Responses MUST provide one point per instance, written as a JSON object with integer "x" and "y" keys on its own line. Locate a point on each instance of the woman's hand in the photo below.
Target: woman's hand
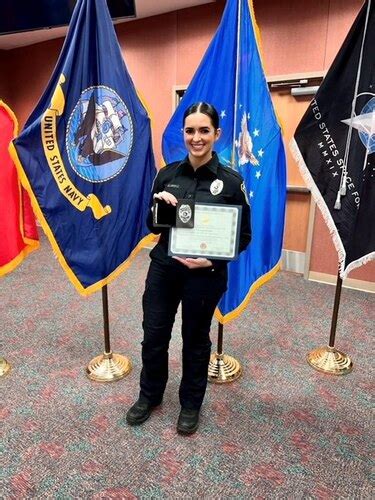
{"x": 167, "y": 197}
{"x": 192, "y": 263}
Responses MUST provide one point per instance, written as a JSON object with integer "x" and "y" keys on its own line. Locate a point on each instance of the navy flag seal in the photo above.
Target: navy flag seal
{"x": 49, "y": 126}
{"x": 99, "y": 135}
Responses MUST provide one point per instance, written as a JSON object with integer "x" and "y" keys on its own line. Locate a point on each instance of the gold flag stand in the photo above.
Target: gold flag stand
{"x": 328, "y": 359}
{"x": 108, "y": 367}
{"x": 222, "y": 368}
{"x": 4, "y": 367}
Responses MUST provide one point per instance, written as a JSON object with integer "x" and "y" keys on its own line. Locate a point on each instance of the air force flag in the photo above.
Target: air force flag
{"x": 231, "y": 78}
{"x": 85, "y": 154}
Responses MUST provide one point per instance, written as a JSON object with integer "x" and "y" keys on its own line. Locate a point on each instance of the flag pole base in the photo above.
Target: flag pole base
{"x": 223, "y": 369}
{"x": 108, "y": 367}
{"x": 4, "y": 367}
{"x": 330, "y": 360}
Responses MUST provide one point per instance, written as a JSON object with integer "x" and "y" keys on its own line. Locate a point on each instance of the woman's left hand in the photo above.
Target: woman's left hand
{"x": 192, "y": 263}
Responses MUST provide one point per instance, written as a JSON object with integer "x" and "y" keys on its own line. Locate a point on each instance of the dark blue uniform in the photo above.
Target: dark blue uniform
{"x": 199, "y": 290}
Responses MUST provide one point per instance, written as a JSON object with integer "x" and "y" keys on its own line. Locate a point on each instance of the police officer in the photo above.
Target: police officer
{"x": 196, "y": 283}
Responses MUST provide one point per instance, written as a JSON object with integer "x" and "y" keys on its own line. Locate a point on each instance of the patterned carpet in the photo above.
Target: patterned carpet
{"x": 281, "y": 431}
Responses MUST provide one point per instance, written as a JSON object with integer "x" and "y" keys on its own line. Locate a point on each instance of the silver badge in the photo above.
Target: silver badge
{"x": 184, "y": 213}
{"x": 216, "y": 187}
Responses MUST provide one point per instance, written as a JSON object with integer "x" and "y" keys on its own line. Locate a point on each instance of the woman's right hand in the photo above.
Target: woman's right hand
{"x": 167, "y": 197}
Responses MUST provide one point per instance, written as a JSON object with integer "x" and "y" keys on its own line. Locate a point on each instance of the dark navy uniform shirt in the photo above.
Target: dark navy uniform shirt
{"x": 181, "y": 180}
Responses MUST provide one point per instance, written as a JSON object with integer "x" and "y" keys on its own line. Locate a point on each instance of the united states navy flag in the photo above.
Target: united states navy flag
{"x": 334, "y": 145}
{"x": 85, "y": 154}
{"x": 231, "y": 77}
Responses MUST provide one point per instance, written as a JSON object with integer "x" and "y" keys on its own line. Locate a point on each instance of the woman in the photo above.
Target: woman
{"x": 198, "y": 283}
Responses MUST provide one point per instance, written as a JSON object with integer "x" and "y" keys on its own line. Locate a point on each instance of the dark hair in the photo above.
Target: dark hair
{"x": 206, "y": 109}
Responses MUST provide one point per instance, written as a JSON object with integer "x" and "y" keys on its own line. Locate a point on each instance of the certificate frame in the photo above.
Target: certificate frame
{"x": 215, "y": 234}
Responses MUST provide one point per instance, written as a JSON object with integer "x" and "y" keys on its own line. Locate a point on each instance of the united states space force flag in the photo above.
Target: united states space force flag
{"x": 85, "y": 154}
{"x": 231, "y": 78}
{"x": 335, "y": 145}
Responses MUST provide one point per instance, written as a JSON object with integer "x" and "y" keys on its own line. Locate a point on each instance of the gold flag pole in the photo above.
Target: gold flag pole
{"x": 328, "y": 359}
{"x": 222, "y": 368}
{"x": 108, "y": 367}
{"x": 4, "y": 367}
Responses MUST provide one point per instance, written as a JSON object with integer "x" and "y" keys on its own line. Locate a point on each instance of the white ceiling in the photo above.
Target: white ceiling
{"x": 144, "y": 8}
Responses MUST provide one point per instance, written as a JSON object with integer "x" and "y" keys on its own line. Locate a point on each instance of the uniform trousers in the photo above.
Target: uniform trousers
{"x": 198, "y": 291}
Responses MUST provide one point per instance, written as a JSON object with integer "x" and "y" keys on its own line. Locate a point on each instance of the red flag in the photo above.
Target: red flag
{"x": 18, "y": 232}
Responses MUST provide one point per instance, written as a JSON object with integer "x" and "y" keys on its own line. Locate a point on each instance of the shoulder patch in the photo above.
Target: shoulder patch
{"x": 243, "y": 189}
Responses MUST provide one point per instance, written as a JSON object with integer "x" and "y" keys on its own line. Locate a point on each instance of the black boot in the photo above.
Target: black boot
{"x": 139, "y": 412}
{"x": 188, "y": 421}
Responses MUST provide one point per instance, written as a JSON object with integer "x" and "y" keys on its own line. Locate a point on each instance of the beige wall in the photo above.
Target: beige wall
{"x": 303, "y": 36}
{"x": 165, "y": 50}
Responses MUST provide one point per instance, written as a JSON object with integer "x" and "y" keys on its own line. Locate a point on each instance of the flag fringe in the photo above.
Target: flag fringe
{"x": 258, "y": 40}
{"x": 319, "y": 200}
{"x": 365, "y": 259}
{"x": 48, "y": 232}
{"x": 256, "y": 30}
{"x": 146, "y": 107}
{"x": 226, "y": 318}
{"x": 12, "y": 115}
{"x": 10, "y": 266}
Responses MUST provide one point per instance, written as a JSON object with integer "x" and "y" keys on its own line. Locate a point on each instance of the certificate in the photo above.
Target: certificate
{"x": 215, "y": 233}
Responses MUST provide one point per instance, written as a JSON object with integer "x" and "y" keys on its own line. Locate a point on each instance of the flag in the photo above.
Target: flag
{"x": 85, "y": 154}
{"x": 334, "y": 145}
{"x": 231, "y": 78}
{"x": 18, "y": 233}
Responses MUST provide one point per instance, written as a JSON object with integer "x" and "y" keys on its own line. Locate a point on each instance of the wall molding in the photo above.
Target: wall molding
{"x": 354, "y": 284}
{"x": 293, "y": 261}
